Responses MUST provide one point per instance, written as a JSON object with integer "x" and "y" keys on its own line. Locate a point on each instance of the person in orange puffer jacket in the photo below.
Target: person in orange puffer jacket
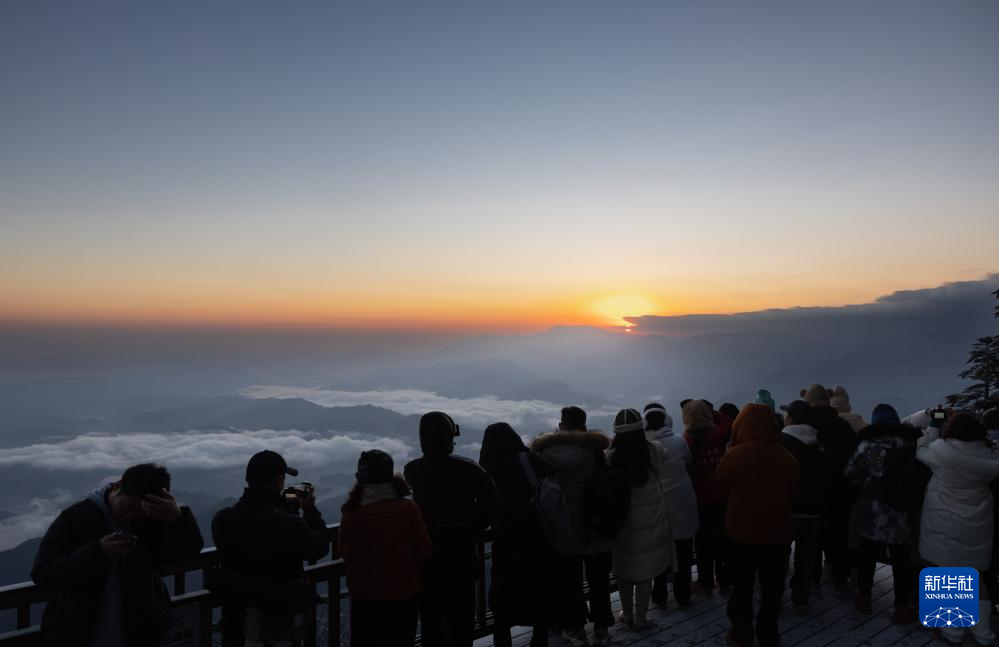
{"x": 384, "y": 542}
{"x": 760, "y": 479}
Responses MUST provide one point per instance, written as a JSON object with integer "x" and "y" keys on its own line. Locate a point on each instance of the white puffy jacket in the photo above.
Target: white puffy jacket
{"x": 956, "y": 527}
{"x": 681, "y": 500}
{"x": 644, "y": 547}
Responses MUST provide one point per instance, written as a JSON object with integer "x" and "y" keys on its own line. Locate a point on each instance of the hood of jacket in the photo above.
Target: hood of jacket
{"x": 805, "y": 433}
{"x": 588, "y": 440}
{"x": 754, "y": 424}
{"x": 697, "y": 415}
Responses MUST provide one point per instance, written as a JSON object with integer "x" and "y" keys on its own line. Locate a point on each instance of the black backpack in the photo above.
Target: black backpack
{"x": 903, "y": 485}
{"x": 606, "y": 500}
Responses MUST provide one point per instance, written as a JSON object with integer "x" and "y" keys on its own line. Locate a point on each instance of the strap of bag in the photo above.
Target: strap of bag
{"x": 525, "y": 462}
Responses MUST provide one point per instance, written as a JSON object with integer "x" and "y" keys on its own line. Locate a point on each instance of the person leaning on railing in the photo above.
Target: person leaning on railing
{"x": 261, "y": 547}
{"x": 99, "y": 562}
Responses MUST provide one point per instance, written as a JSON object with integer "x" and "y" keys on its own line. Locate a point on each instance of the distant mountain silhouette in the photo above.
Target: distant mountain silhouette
{"x": 235, "y": 412}
{"x": 15, "y": 564}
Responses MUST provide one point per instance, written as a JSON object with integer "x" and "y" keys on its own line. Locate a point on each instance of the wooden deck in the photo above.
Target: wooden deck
{"x": 832, "y": 621}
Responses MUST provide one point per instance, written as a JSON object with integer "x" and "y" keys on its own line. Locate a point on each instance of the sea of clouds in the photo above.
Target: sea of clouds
{"x": 478, "y": 412}
{"x": 198, "y": 450}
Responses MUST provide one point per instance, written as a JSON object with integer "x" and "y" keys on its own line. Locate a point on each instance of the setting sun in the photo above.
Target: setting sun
{"x": 614, "y": 308}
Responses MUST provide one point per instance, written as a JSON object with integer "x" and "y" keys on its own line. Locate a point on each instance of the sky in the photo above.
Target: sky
{"x": 494, "y": 166}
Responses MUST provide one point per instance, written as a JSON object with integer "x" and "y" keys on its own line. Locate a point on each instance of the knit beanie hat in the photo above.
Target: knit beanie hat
{"x": 437, "y": 432}
{"x": 374, "y": 466}
{"x": 654, "y": 409}
{"x": 839, "y": 399}
{"x": 628, "y": 420}
{"x": 885, "y": 414}
{"x": 816, "y": 395}
{"x": 763, "y": 397}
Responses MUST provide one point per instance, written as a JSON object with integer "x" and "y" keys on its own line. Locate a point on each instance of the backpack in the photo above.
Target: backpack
{"x": 549, "y": 505}
{"x": 903, "y": 484}
{"x": 606, "y": 500}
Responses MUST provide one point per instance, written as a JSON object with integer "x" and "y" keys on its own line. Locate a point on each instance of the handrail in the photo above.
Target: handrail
{"x": 21, "y": 597}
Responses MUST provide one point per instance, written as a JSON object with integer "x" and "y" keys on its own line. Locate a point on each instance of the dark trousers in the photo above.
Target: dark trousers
{"x": 570, "y": 612}
{"x": 868, "y": 552}
{"x": 681, "y": 575}
{"x": 747, "y": 563}
{"x": 835, "y": 541}
{"x": 805, "y": 535}
{"x": 383, "y": 624}
{"x": 447, "y": 601}
{"x": 501, "y": 634}
{"x": 710, "y": 545}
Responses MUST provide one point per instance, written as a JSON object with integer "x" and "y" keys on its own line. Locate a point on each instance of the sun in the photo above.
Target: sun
{"x": 614, "y": 308}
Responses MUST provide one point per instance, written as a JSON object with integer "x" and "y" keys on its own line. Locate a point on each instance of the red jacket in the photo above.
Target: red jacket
{"x": 710, "y": 449}
{"x": 383, "y": 544}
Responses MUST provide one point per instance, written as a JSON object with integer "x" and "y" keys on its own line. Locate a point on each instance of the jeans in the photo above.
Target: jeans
{"x": 571, "y": 612}
{"x": 747, "y": 563}
{"x": 805, "y": 535}
{"x": 383, "y": 624}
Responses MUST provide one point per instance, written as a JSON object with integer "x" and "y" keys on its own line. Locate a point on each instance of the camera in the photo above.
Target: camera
{"x": 291, "y": 497}
{"x": 939, "y": 414}
{"x": 123, "y": 535}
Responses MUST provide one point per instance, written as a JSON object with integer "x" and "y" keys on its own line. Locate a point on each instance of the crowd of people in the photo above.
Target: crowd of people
{"x": 729, "y": 494}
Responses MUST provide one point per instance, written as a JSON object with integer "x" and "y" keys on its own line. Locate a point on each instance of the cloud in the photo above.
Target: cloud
{"x": 34, "y": 521}
{"x": 201, "y": 450}
{"x": 478, "y": 412}
{"x": 964, "y": 307}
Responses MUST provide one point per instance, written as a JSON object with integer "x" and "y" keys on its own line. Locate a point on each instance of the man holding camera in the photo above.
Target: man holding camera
{"x": 262, "y": 543}
{"x": 99, "y": 561}
{"x": 458, "y": 500}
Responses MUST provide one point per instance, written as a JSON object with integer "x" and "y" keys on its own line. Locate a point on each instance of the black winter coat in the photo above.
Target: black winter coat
{"x": 522, "y": 558}
{"x": 818, "y": 473}
{"x": 72, "y": 568}
{"x": 841, "y": 440}
{"x": 261, "y": 553}
{"x": 458, "y": 501}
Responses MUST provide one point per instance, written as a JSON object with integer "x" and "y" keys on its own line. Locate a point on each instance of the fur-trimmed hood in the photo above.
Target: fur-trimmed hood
{"x": 906, "y": 432}
{"x": 589, "y": 440}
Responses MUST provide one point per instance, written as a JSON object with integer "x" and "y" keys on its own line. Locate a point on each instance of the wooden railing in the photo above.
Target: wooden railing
{"x": 328, "y": 574}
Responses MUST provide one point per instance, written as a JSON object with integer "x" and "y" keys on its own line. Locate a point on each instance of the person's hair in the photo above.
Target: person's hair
{"x": 655, "y": 419}
{"x": 631, "y": 456}
{"x": 729, "y": 410}
{"x": 353, "y": 501}
{"x": 573, "y": 418}
{"x": 964, "y": 426}
{"x": 143, "y": 479}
